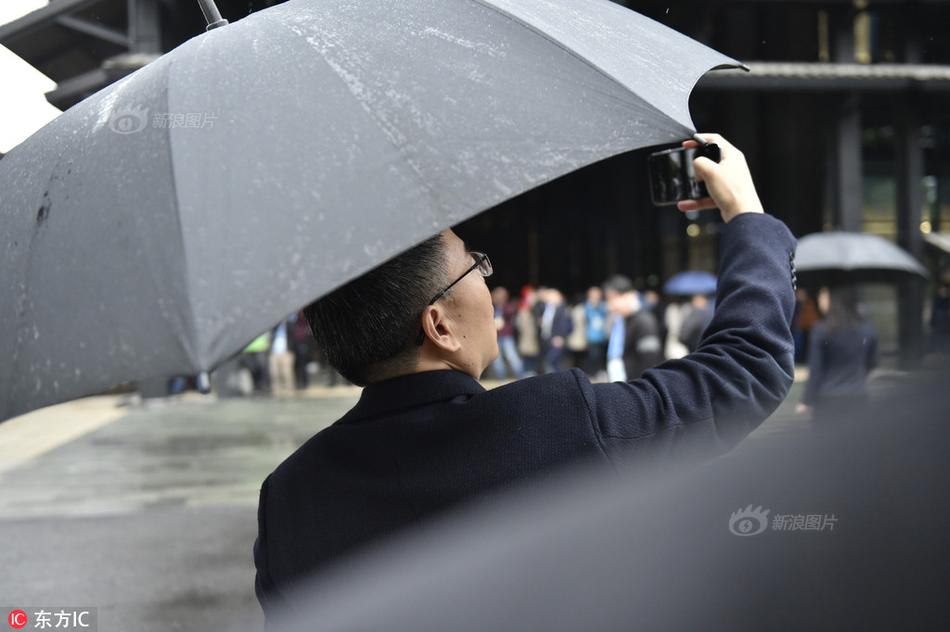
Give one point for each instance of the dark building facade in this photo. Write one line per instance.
(844, 119)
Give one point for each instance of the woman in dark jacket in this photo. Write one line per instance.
(842, 351)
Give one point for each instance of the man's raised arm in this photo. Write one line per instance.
(743, 367)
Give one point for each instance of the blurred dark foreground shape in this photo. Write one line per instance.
(840, 528)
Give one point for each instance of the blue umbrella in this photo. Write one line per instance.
(691, 282)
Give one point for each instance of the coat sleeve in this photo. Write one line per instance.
(742, 369)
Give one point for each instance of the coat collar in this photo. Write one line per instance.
(411, 391)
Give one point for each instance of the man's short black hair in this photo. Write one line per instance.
(619, 284)
(366, 329)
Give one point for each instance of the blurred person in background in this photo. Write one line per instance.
(281, 360)
(505, 313)
(698, 316)
(673, 319)
(595, 319)
(806, 316)
(526, 326)
(842, 351)
(540, 303)
(577, 340)
(616, 370)
(556, 326)
(254, 360)
(940, 319)
(657, 306)
(640, 333)
(301, 341)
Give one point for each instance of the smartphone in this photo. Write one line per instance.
(672, 177)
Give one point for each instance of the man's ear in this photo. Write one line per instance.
(438, 330)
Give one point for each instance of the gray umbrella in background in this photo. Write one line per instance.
(159, 225)
(839, 257)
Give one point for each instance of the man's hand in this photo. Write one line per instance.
(729, 182)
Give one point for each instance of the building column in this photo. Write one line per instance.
(849, 176)
(910, 201)
(144, 26)
(849, 173)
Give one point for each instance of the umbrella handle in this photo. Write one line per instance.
(212, 15)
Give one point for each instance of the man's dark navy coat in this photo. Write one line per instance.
(419, 444)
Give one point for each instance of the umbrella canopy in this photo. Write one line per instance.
(690, 282)
(841, 257)
(159, 225)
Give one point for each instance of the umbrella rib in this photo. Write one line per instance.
(191, 339)
(384, 127)
(580, 57)
(23, 299)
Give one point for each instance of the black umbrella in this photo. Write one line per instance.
(159, 225)
(836, 257)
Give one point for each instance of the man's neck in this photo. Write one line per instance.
(428, 363)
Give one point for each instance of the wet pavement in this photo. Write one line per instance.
(151, 516)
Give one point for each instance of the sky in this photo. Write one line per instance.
(23, 106)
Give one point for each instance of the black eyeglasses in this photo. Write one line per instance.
(484, 267)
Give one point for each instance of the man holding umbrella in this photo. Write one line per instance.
(424, 436)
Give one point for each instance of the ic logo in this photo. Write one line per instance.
(749, 521)
(17, 619)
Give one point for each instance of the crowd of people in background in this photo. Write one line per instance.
(613, 332)
(280, 361)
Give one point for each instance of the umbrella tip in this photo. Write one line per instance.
(212, 15)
